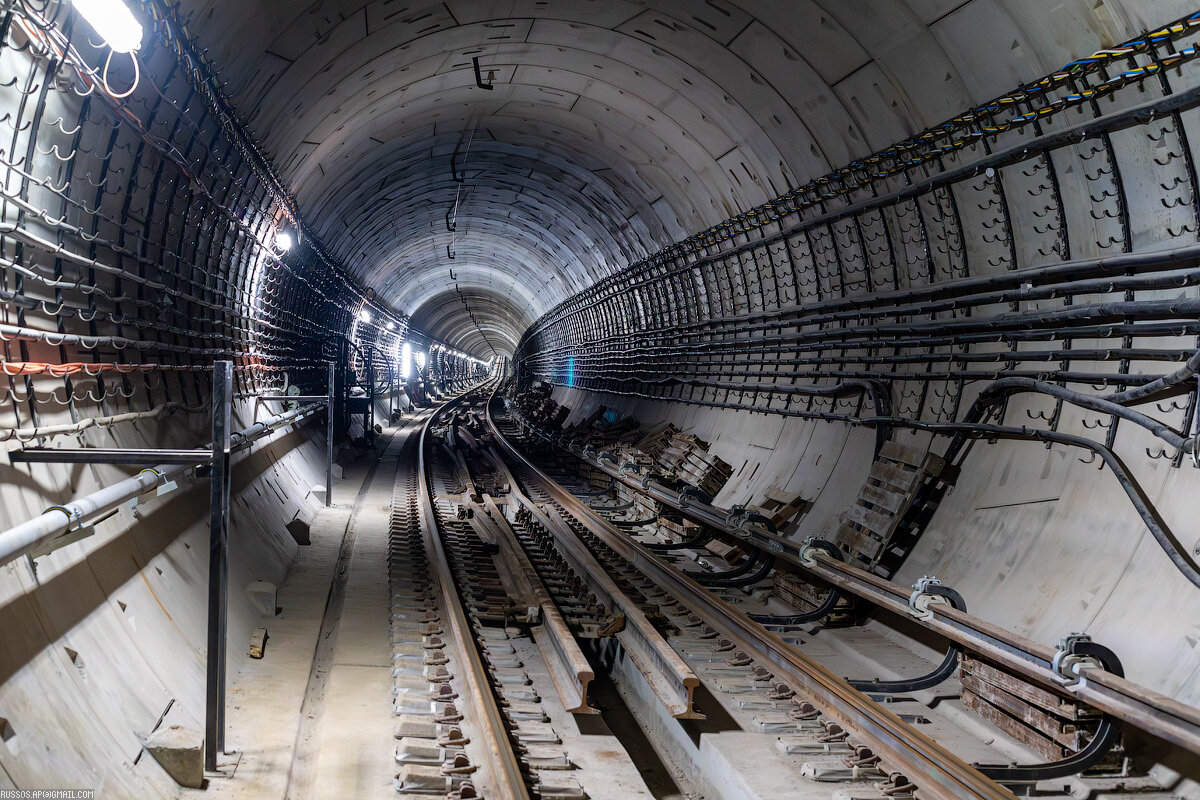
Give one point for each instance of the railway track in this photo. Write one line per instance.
(514, 599)
(481, 701)
(452, 737)
(863, 727)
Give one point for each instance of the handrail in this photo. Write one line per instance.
(58, 520)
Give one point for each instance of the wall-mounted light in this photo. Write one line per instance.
(114, 22)
(283, 240)
(405, 361)
(364, 316)
(391, 325)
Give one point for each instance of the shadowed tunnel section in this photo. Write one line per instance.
(797, 231)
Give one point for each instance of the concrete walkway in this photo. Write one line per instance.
(312, 719)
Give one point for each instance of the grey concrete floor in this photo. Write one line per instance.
(312, 719)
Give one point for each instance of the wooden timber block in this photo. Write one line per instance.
(258, 642)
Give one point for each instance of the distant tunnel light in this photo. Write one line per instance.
(405, 361)
(115, 23)
(283, 240)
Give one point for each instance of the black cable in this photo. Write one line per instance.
(940, 673)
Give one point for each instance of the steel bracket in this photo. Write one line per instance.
(808, 551)
(919, 600)
(1067, 663)
(73, 516)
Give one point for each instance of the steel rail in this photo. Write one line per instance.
(668, 676)
(506, 766)
(568, 666)
(1150, 711)
(939, 773)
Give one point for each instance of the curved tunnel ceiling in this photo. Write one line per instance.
(612, 129)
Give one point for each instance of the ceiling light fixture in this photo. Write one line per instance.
(114, 22)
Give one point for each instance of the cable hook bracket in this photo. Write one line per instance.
(919, 600)
(808, 551)
(1067, 662)
(74, 518)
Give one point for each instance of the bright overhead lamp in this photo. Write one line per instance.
(283, 240)
(406, 359)
(115, 23)
(364, 316)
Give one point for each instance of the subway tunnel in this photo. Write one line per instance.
(574, 399)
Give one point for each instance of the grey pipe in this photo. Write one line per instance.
(57, 520)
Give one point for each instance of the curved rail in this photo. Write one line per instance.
(568, 666)
(942, 774)
(671, 680)
(506, 766)
(1143, 708)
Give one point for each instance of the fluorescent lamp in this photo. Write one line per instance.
(405, 361)
(115, 23)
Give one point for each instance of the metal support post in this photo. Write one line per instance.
(369, 417)
(329, 434)
(342, 389)
(214, 718)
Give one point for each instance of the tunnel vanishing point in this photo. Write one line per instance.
(600, 399)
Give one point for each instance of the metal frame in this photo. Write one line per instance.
(329, 429)
(217, 457)
(101, 455)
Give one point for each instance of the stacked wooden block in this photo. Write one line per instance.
(628, 454)
(592, 477)
(783, 510)
(657, 439)
(676, 530)
(594, 430)
(869, 527)
(539, 408)
(685, 458)
(1053, 725)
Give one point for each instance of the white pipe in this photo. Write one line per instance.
(57, 520)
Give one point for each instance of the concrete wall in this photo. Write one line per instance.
(109, 632)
